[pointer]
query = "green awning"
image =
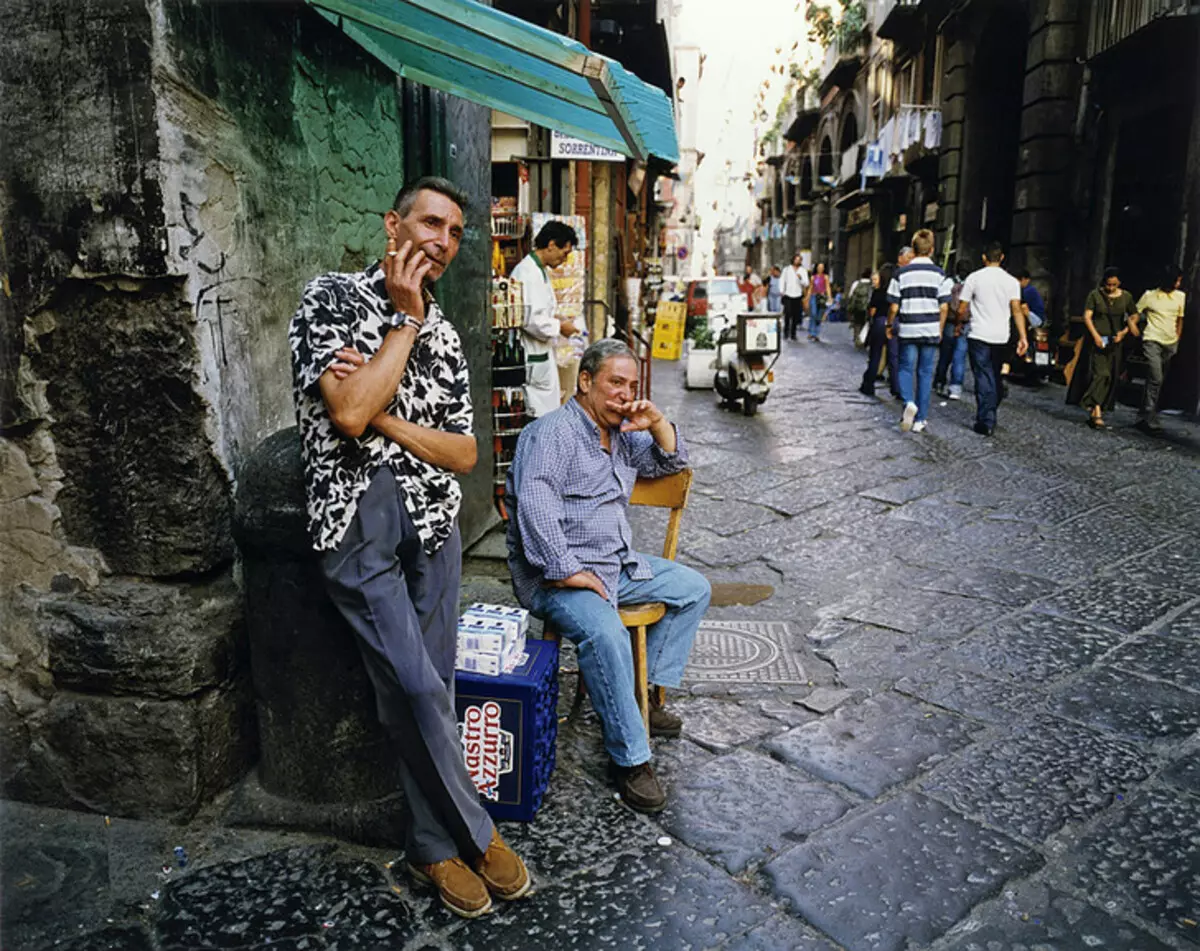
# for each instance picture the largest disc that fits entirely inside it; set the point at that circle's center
(498, 60)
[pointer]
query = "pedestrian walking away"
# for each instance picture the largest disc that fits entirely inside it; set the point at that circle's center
(542, 327)
(857, 298)
(1105, 318)
(570, 550)
(382, 399)
(877, 336)
(793, 283)
(919, 299)
(774, 290)
(1163, 309)
(893, 342)
(817, 299)
(992, 297)
(952, 356)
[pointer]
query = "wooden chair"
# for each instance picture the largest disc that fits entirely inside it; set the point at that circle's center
(669, 492)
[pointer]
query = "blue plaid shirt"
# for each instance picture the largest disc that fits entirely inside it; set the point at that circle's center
(568, 500)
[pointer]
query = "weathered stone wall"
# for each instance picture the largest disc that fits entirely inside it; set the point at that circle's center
(174, 171)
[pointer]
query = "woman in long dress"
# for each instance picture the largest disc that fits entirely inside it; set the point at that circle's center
(1105, 316)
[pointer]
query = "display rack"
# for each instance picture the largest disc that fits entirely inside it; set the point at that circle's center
(508, 381)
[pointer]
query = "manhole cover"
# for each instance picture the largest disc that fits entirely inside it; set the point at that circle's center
(745, 652)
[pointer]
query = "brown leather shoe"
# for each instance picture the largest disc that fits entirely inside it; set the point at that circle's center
(461, 890)
(664, 723)
(502, 870)
(640, 788)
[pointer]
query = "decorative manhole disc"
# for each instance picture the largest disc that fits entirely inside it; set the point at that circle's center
(745, 652)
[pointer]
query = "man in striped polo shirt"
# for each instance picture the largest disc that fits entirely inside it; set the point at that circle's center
(920, 297)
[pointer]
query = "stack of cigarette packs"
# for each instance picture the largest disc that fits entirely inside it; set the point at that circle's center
(491, 639)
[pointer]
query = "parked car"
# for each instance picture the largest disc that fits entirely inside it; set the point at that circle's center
(716, 300)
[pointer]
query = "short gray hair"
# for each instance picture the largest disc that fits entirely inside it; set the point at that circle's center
(407, 196)
(594, 356)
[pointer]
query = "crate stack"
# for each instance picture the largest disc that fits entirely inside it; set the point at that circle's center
(669, 320)
(491, 639)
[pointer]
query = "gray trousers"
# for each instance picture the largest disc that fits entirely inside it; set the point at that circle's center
(1158, 356)
(403, 607)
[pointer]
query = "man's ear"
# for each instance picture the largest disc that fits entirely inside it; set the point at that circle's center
(391, 224)
(584, 382)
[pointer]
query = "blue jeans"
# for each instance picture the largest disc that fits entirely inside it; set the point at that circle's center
(985, 360)
(922, 356)
(952, 358)
(816, 313)
(605, 652)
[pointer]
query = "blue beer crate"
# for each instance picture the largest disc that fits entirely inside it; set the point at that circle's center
(509, 729)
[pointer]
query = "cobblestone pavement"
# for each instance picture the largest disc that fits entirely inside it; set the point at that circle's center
(993, 743)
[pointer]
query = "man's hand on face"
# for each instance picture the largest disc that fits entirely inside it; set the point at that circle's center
(584, 580)
(404, 271)
(348, 360)
(639, 414)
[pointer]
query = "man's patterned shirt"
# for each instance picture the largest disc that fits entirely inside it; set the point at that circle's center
(353, 310)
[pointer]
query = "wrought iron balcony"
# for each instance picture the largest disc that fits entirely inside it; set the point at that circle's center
(1117, 20)
(896, 19)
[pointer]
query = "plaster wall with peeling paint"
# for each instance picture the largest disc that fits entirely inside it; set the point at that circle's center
(174, 172)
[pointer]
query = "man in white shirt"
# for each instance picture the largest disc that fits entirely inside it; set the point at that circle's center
(991, 296)
(793, 284)
(551, 248)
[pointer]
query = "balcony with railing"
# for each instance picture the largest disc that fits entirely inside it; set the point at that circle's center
(897, 20)
(847, 50)
(1113, 21)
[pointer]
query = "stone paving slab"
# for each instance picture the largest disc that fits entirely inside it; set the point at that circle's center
(666, 897)
(931, 615)
(872, 746)
(708, 808)
(1009, 588)
(1108, 699)
(1116, 604)
(1163, 658)
(1145, 858)
(778, 933)
(944, 682)
(1033, 780)
(1173, 565)
(900, 872)
(1186, 624)
(873, 657)
(1034, 916)
(720, 725)
(1033, 649)
(1184, 774)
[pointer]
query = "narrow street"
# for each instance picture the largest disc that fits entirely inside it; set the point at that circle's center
(967, 718)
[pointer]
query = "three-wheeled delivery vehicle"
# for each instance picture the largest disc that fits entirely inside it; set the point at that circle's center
(746, 355)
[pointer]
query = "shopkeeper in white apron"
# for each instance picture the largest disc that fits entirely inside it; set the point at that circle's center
(551, 247)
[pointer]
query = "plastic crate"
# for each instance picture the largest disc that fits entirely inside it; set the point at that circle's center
(509, 729)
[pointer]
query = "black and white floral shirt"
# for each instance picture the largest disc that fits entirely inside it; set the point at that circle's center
(353, 310)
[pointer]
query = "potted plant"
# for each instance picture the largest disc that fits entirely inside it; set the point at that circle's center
(702, 353)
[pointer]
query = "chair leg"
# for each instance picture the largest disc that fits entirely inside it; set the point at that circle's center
(641, 675)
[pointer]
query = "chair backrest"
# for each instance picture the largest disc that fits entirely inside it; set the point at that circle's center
(667, 492)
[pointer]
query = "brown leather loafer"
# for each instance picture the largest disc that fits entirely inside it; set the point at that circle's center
(640, 788)
(664, 723)
(461, 890)
(502, 870)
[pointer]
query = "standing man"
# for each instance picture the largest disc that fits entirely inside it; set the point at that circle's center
(551, 248)
(793, 284)
(382, 399)
(570, 549)
(992, 296)
(774, 290)
(919, 297)
(1163, 309)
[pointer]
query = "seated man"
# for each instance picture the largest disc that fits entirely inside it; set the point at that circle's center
(570, 549)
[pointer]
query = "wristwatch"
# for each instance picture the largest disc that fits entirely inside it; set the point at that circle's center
(401, 319)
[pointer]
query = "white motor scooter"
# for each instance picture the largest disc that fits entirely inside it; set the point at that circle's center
(746, 355)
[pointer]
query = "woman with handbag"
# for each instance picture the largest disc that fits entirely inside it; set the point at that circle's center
(818, 298)
(1105, 315)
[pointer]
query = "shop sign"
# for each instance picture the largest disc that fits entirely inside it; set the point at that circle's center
(565, 147)
(858, 216)
(487, 748)
(931, 211)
